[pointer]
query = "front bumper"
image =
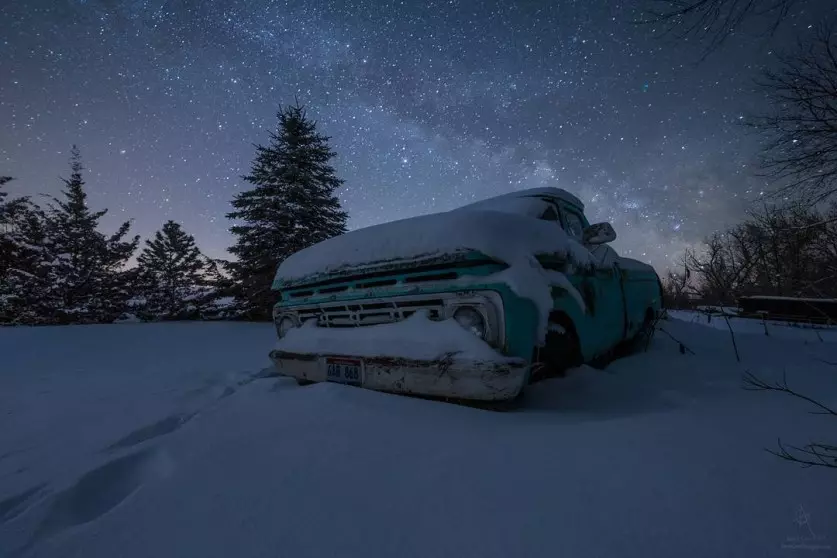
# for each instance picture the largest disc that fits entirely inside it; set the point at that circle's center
(446, 377)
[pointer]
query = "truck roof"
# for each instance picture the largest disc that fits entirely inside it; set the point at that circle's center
(514, 198)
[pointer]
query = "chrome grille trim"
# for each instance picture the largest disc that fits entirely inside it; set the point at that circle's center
(385, 310)
(358, 314)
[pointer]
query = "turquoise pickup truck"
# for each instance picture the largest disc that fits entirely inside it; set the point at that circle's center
(474, 303)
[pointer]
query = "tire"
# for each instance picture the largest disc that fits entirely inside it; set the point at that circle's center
(302, 382)
(560, 353)
(638, 342)
(646, 330)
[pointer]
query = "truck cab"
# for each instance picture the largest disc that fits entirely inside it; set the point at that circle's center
(473, 303)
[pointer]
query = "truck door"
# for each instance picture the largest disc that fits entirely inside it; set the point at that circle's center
(609, 283)
(608, 314)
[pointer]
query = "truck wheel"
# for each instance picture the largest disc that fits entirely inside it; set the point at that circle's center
(639, 341)
(646, 330)
(302, 382)
(560, 352)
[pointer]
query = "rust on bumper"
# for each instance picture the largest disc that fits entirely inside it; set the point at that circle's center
(448, 376)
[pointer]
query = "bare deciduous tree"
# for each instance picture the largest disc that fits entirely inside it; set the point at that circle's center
(723, 267)
(676, 289)
(778, 250)
(802, 152)
(713, 21)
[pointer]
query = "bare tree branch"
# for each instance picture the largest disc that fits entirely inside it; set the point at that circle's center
(801, 153)
(824, 455)
(754, 383)
(814, 454)
(712, 22)
(683, 347)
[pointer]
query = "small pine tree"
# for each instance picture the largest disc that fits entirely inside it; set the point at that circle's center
(291, 206)
(3, 181)
(174, 275)
(10, 247)
(8, 238)
(89, 283)
(24, 260)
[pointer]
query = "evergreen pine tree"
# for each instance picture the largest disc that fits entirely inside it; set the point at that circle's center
(90, 282)
(174, 274)
(24, 260)
(8, 238)
(4, 180)
(291, 206)
(10, 247)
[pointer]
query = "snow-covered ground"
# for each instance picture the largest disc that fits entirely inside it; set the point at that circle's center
(771, 328)
(164, 440)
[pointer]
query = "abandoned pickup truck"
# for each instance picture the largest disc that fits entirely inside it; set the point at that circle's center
(474, 303)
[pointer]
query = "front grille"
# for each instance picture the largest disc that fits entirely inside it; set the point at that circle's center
(372, 313)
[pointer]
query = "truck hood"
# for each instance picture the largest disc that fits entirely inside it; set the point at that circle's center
(442, 237)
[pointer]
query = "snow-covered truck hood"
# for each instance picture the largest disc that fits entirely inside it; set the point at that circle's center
(502, 236)
(513, 239)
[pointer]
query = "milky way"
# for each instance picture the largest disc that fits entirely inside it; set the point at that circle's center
(429, 106)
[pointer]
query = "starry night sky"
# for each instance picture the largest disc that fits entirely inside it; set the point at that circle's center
(430, 105)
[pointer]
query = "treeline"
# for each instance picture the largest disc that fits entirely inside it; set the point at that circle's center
(58, 267)
(786, 250)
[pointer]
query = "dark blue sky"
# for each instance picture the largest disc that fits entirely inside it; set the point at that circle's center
(430, 105)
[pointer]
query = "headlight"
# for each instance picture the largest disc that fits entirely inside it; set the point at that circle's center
(284, 325)
(471, 319)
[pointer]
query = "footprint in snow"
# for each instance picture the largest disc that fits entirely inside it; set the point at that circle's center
(151, 431)
(13, 506)
(99, 491)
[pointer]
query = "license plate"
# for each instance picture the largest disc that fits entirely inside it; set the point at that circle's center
(344, 370)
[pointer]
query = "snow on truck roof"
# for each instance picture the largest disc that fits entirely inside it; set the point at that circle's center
(504, 235)
(526, 202)
(501, 227)
(505, 228)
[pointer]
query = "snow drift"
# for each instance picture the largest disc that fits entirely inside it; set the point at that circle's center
(186, 451)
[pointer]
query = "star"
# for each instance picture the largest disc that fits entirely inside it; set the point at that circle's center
(427, 109)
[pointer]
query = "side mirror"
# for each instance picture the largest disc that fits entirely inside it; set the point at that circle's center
(600, 233)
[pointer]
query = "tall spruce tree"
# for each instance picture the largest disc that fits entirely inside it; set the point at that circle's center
(175, 276)
(291, 206)
(91, 284)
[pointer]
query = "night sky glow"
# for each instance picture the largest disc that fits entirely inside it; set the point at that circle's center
(430, 105)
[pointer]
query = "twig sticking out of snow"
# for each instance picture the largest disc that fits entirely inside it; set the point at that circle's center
(732, 334)
(709, 312)
(754, 383)
(764, 322)
(824, 455)
(812, 454)
(828, 362)
(683, 348)
(654, 327)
